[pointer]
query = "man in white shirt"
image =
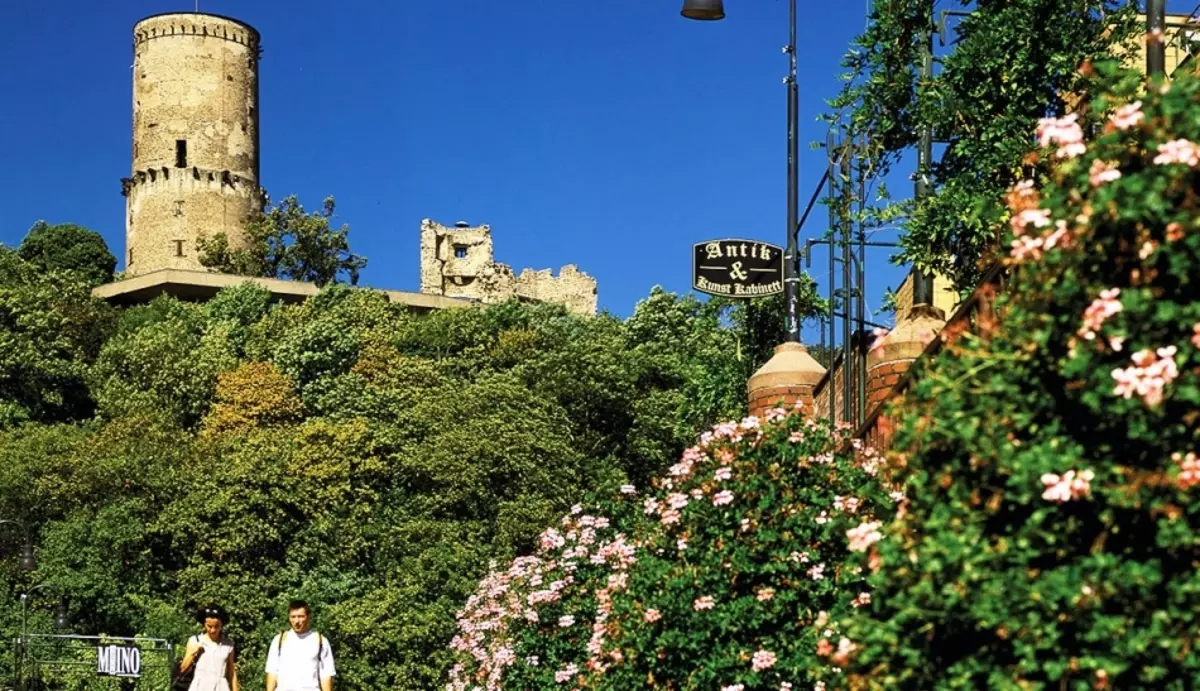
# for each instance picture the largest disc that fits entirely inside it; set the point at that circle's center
(300, 659)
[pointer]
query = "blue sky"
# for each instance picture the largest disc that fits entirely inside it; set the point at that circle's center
(612, 135)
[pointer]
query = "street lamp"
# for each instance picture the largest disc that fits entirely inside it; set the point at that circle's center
(715, 9)
(28, 558)
(704, 9)
(61, 620)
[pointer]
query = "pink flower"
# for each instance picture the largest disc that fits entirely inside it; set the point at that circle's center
(565, 621)
(763, 659)
(681, 544)
(1103, 172)
(817, 572)
(1147, 249)
(1189, 469)
(765, 594)
(565, 674)
(652, 615)
(1151, 372)
(824, 648)
(722, 498)
(1099, 311)
(1065, 132)
(861, 599)
(1128, 116)
(796, 437)
(842, 656)
(733, 687)
(723, 473)
(1068, 487)
(1174, 231)
(775, 414)
(865, 535)
(1196, 334)
(1178, 151)
(702, 603)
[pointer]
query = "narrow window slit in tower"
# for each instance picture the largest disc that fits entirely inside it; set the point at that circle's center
(178, 247)
(181, 153)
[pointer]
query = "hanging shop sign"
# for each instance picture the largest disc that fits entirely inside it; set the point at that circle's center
(737, 268)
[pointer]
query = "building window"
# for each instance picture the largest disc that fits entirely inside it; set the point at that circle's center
(460, 251)
(178, 247)
(181, 153)
(129, 262)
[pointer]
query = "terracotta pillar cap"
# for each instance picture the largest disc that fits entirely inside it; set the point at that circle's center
(790, 366)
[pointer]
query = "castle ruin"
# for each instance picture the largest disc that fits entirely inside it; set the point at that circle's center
(460, 262)
(195, 174)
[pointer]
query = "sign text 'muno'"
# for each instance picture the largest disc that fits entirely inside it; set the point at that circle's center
(737, 268)
(119, 661)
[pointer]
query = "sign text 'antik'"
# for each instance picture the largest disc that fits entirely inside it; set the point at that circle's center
(737, 268)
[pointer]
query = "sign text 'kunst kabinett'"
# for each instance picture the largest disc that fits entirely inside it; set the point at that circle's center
(737, 268)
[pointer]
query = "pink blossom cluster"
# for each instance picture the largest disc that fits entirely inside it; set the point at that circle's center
(1064, 132)
(1189, 469)
(530, 584)
(1033, 247)
(1196, 334)
(1178, 151)
(1149, 375)
(1103, 172)
(543, 591)
(864, 535)
(1101, 309)
(1127, 116)
(1069, 486)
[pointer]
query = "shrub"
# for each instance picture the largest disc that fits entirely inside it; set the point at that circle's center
(1052, 540)
(727, 574)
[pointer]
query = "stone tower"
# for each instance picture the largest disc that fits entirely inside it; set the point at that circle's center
(195, 138)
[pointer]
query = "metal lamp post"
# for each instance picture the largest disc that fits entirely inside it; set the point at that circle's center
(28, 558)
(713, 10)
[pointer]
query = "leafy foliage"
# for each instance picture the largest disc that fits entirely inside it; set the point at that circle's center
(729, 571)
(68, 247)
(285, 242)
(1051, 540)
(51, 330)
(345, 450)
(1012, 63)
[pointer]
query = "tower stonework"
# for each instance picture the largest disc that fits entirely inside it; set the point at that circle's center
(195, 138)
(460, 262)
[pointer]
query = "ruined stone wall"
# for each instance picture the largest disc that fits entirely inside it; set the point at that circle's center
(460, 262)
(195, 138)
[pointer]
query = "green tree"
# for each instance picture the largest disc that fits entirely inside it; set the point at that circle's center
(51, 330)
(1012, 63)
(286, 242)
(68, 247)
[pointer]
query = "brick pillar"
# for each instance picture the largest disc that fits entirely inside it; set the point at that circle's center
(786, 379)
(888, 361)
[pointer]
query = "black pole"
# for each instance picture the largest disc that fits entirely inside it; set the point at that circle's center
(862, 288)
(847, 190)
(1156, 48)
(791, 276)
(831, 191)
(923, 282)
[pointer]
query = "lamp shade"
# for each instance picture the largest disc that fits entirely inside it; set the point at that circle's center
(703, 9)
(61, 622)
(28, 558)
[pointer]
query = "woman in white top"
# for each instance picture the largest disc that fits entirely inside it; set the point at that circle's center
(212, 654)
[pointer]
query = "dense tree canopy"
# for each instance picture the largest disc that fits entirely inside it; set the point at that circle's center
(68, 247)
(346, 450)
(285, 242)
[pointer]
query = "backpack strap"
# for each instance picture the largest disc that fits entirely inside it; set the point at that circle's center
(279, 644)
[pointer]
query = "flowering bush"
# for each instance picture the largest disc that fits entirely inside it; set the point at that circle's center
(727, 574)
(1051, 540)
